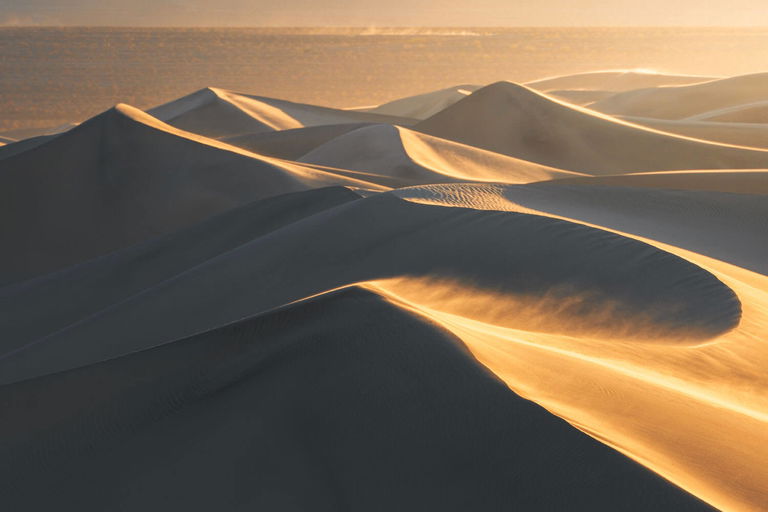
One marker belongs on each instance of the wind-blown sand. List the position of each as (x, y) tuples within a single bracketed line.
[(479, 298)]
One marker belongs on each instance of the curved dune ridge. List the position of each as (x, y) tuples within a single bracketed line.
[(685, 101), (425, 105), (478, 298), (413, 157), (514, 120), (756, 112), (615, 81), (220, 113), (734, 133)]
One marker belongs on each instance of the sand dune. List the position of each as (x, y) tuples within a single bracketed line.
[(615, 81), (581, 97), (558, 291), (425, 105), (516, 121), (121, 178), (237, 417), (290, 144), (686, 100), (218, 113), (733, 133), (756, 112), (415, 158), (735, 182), (236, 303)]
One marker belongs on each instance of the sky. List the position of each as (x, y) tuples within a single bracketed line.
[(374, 13)]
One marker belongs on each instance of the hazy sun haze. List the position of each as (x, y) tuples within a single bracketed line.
[(377, 13)]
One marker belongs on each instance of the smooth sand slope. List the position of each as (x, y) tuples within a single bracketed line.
[(287, 411), (121, 178), (514, 120), (756, 112), (615, 81), (243, 303), (425, 105), (217, 113), (734, 133), (290, 144), (415, 158), (687, 100), (700, 420)]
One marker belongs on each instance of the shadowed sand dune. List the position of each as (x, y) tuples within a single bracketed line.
[(568, 279), (290, 144), (415, 158), (309, 396), (242, 303), (121, 178), (686, 100), (217, 113), (517, 121), (750, 181)]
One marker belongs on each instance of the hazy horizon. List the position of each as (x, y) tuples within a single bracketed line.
[(396, 13)]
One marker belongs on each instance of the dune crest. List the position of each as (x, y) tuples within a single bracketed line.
[(511, 119)]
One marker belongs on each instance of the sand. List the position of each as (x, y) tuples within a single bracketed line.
[(480, 298)]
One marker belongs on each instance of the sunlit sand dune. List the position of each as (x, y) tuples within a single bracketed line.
[(734, 133), (581, 97), (478, 298), (687, 100), (267, 412), (414, 158), (219, 113), (615, 81), (514, 120), (756, 112), (425, 105)]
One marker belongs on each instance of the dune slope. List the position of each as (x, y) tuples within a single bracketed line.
[(686, 100), (265, 408), (517, 121), (121, 178), (217, 113), (414, 158)]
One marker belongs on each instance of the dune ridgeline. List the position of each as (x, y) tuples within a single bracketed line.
[(542, 296)]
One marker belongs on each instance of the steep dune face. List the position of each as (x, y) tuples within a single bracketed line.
[(686, 100), (425, 105), (516, 121), (308, 395), (615, 81), (119, 179), (218, 113), (415, 158)]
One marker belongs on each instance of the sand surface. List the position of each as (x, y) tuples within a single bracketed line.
[(541, 296)]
